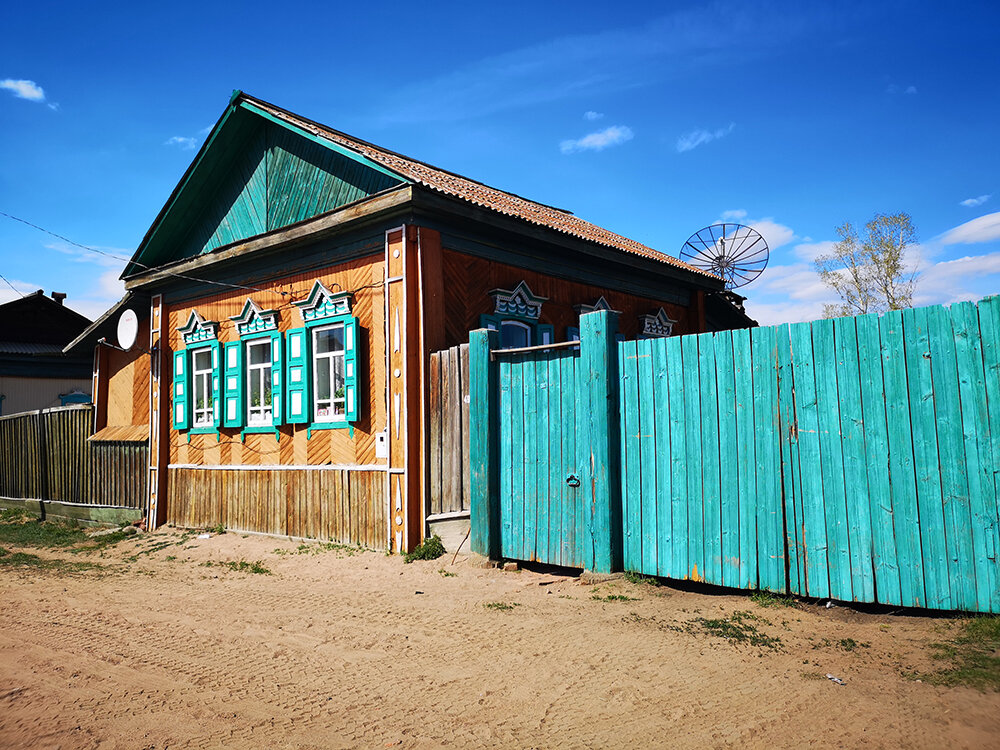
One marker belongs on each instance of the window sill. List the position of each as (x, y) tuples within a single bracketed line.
[(260, 430), (329, 426)]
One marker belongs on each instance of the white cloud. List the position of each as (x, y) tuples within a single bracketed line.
[(975, 202), (183, 142), (592, 115), (892, 88), (774, 234), (24, 89), (613, 136), (695, 138), (984, 229), (734, 215), (911, 90), (809, 251)]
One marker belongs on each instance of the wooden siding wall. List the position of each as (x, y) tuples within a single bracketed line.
[(294, 447), (127, 383), (46, 456), (448, 410), (338, 505), (468, 281)]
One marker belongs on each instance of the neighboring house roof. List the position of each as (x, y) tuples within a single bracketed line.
[(36, 319), (238, 186)]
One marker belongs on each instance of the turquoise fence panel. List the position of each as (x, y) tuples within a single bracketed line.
[(855, 458)]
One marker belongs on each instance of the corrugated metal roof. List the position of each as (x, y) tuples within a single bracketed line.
[(476, 192), (17, 347)]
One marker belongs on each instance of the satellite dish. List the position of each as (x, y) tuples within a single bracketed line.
[(735, 252), (128, 329)]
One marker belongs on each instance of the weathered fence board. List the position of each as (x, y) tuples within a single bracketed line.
[(46, 456), (448, 470)]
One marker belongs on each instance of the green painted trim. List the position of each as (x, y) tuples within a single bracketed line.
[(325, 143), (202, 431), (262, 430), (97, 515)]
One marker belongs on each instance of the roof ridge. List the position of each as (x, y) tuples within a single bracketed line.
[(438, 179)]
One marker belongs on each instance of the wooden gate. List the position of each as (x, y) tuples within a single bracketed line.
[(540, 500)]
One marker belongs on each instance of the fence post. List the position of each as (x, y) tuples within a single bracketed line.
[(42, 463), (484, 485), (598, 402)]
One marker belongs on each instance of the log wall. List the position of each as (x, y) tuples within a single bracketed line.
[(336, 504)]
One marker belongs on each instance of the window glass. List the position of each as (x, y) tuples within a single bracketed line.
[(202, 375), (259, 382), (328, 373), (514, 334)]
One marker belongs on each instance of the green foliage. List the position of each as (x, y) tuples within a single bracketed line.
[(218, 529), (849, 644), (431, 549), (613, 598), (632, 577), (240, 566), (26, 531), (870, 273), (767, 599), (501, 606), (740, 627), (447, 573), (973, 656), (316, 547), (10, 559)]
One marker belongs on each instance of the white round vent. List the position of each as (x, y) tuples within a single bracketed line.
[(128, 329)]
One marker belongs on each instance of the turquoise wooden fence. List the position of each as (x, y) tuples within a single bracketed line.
[(856, 458)]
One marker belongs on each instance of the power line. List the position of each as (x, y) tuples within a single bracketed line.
[(12, 286), (137, 263)]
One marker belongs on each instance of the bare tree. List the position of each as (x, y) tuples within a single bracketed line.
[(870, 273)]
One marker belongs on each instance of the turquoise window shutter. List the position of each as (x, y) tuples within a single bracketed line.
[(216, 385), (277, 379), (298, 408), (351, 369), (233, 379), (181, 413)]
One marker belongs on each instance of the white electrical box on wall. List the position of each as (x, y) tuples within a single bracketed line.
[(382, 444)]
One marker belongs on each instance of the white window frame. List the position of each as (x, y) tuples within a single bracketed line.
[(204, 417), (262, 414), (333, 400)]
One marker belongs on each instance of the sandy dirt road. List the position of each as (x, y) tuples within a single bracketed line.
[(158, 649)]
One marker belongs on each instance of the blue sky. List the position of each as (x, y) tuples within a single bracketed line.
[(653, 120)]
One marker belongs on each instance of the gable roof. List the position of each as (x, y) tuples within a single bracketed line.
[(474, 192), (37, 320), (236, 185)]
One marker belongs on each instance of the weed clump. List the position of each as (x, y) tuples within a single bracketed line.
[(632, 577), (738, 628), (767, 599), (974, 656), (501, 606), (431, 549)]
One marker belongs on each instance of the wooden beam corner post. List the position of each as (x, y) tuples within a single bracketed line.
[(598, 398), (484, 456)]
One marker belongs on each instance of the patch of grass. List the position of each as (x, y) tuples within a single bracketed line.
[(740, 627), (501, 606), (849, 644), (25, 531), (107, 540), (217, 529), (10, 559), (767, 599), (447, 573), (613, 598), (315, 548), (170, 557), (240, 566), (431, 549), (973, 656), (643, 579)]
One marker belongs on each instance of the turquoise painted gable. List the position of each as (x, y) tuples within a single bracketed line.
[(254, 176), (279, 180)]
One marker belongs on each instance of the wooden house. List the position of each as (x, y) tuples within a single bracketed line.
[(293, 289), (34, 371)]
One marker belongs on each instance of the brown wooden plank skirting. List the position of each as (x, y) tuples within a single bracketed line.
[(345, 505)]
